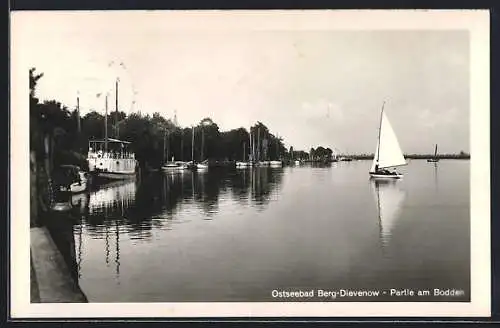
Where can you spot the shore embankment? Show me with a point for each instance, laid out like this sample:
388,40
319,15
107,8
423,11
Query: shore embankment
51,280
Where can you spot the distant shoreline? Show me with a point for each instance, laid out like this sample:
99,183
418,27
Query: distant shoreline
416,156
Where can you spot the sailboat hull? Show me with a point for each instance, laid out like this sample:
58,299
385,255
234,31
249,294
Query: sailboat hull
433,160
242,165
391,176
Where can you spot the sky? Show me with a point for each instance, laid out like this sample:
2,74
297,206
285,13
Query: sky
310,86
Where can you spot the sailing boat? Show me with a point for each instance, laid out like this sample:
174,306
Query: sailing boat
242,164
278,162
203,165
172,165
435,158
388,153
389,199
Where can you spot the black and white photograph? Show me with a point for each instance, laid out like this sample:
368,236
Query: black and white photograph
250,163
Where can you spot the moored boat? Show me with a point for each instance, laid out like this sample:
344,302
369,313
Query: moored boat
276,163
242,164
203,166
77,178
111,159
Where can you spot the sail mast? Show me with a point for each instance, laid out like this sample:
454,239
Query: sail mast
435,151
250,152
192,145
116,109
379,131
258,144
202,143
182,145
164,143
167,139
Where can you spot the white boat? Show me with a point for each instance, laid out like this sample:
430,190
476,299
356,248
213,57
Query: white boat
111,159
242,164
297,163
276,163
172,166
202,166
264,163
389,199
388,153
78,178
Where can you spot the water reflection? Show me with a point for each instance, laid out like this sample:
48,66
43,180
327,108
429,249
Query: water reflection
389,198
163,195
136,208
436,181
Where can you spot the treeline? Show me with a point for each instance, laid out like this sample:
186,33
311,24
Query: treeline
155,139
315,154
461,155
60,131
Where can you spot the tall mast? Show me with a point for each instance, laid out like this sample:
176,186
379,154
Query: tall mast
78,126
435,151
164,143
106,126
379,130
182,145
258,144
251,144
167,135
202,143
192,145
116,109
244,144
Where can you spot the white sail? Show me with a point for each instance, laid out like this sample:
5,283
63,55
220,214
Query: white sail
388,152
389,199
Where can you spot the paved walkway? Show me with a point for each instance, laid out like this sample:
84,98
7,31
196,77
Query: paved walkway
51,281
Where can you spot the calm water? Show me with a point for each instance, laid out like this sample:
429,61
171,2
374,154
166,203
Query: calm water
237,235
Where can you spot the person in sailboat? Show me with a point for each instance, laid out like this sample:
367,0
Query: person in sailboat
385,171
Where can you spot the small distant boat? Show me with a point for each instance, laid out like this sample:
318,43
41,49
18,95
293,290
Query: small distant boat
202,166
264,163
172,166
297,163
276,163
243,164
345,159
435,158
388,153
